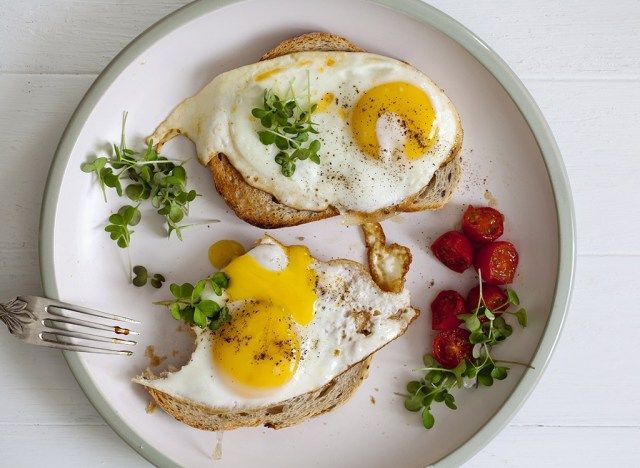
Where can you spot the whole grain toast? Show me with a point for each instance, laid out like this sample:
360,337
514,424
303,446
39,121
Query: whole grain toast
263,210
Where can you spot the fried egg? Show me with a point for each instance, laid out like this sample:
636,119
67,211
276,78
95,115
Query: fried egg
296,323
384,128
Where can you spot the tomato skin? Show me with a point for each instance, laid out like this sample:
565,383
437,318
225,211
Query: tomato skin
497,262
445,309
454,250
494,298
482,224
450,347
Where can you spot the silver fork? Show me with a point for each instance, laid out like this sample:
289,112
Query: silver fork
41,321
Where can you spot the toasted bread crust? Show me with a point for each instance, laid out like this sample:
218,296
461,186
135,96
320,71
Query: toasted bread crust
312,42
263,210
254,205
283,414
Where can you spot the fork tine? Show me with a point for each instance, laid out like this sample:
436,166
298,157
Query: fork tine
83,349
88,336
85,323
86,310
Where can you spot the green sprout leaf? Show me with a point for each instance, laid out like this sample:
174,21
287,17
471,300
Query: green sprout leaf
118,226
135,192
499,323
459,371
499,373
140,278
208,308
439,396
512,297
199,317
287,126
472,323
188,304
413,403
175,311
427,419
521,315
198,289
434,376
429,360
221,280
413,386
449,400
485,380
157,280
186,291
477,337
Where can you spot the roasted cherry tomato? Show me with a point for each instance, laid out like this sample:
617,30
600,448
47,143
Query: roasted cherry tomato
482,224
451,347
454,250
497,262
494,298
445,309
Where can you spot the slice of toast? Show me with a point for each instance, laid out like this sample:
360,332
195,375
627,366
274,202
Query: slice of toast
284,413
263,210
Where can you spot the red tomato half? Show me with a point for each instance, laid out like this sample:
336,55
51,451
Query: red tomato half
482,224
454,250
497,262
451,347
445,309
494,298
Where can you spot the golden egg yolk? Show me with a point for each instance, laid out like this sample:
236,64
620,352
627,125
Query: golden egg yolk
259,346
292,288
222,252
325,102
406,101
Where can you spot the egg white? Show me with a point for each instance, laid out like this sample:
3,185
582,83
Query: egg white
218,119
330,343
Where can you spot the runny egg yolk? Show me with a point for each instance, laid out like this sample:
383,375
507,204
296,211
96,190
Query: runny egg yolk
223,251
325,101
258,347
406,101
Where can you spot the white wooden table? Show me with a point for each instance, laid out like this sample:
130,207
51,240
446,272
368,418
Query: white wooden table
581,61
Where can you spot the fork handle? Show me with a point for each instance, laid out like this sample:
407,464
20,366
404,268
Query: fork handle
15,315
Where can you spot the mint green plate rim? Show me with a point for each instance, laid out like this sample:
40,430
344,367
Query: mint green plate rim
478,49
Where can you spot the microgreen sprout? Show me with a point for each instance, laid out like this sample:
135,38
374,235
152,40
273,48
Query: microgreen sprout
118,227
145,175
142,277
289,127
189,305
487,329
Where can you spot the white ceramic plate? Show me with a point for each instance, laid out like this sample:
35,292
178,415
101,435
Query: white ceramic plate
508,151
